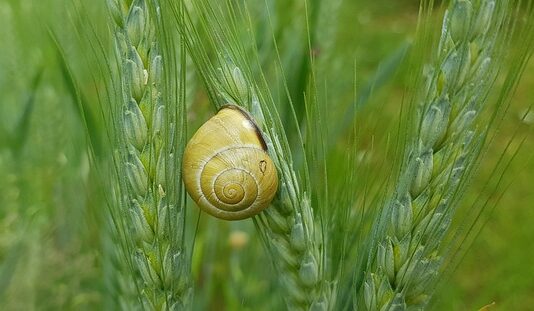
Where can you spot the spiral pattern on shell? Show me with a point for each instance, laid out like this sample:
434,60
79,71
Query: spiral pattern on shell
226,168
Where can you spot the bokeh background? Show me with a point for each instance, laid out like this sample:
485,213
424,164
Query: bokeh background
51,212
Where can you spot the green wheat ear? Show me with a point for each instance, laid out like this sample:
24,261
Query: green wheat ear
288,227
443,148
148,122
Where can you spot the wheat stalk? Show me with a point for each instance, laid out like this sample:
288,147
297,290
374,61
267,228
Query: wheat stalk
151,207
406,260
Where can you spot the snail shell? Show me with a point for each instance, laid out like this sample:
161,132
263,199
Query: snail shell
226,169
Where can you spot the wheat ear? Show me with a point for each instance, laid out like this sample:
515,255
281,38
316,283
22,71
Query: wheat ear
152,207
403,267
288,227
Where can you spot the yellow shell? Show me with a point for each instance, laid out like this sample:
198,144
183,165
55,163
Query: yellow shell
226,169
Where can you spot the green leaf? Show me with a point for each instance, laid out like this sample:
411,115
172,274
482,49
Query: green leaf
79,101
20,135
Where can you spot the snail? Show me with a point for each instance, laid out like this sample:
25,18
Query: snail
226,168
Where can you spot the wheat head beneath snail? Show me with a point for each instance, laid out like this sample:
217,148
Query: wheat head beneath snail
226,168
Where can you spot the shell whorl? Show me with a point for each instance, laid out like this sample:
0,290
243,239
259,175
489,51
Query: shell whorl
226,168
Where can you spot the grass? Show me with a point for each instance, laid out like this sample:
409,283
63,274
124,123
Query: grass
62,176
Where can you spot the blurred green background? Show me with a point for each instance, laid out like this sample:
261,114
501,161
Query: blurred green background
50,210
